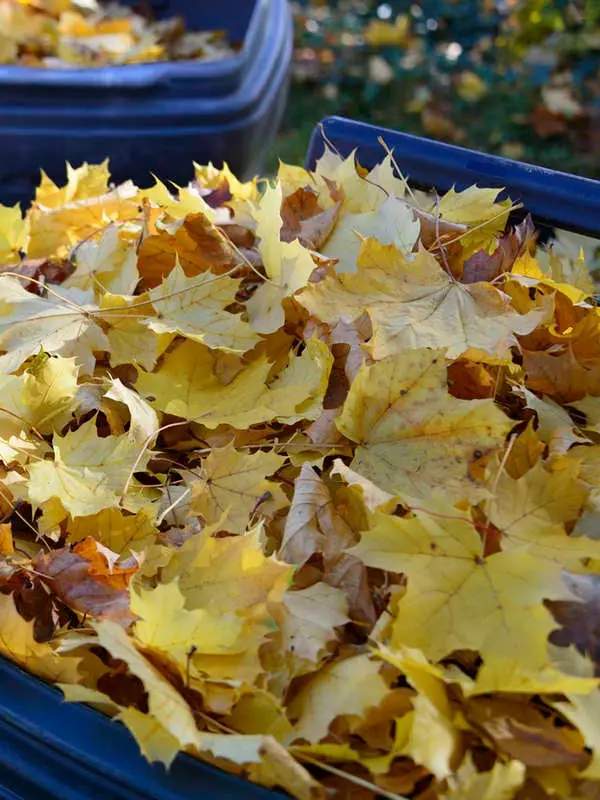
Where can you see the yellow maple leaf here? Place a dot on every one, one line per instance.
(186, 385)
(106, 263)
(234, 483)
(211, 177)
(432, 739)
(413, 302)
(53, 231)
(88, 180)
(470, 206)
(307, 625)
(165, 703)
(60, 324)
(373, 497)
(531, 513)
(226, 576)
(130, 340)
(195, 308)
(143, 420)
(170, 724)
(568, 268)
(555, 426)
(361, 193)
(457, 598)
(165, 624)
(179, 203)
(288, 266)
(478, 208)
(13, 234)
(88, 473)
(35, 403)
(313, 524)
(502, 782)
(350, 686)
(123, 534)
(412, 435)
(155, 741)
(393, 224)
(49, 389)
(230, 574)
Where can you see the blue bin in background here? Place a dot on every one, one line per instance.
(156, 117)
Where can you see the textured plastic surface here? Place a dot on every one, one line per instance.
(52, 750)
(553, 198)
(152, 117)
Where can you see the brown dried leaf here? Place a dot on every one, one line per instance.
(579, 618)
(84, 586)
(199, 245)
(304, 219)
(524, 732)
(484, 266)
(313, 524)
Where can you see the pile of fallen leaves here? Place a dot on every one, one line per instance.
(303, 479)
(89, 33)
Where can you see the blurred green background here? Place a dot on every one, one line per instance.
(516, 77)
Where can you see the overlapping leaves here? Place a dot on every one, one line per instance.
(314, 498)
(92, 33)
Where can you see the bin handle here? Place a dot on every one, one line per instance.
(554, 198)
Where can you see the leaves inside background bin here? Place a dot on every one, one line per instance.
(67, 34)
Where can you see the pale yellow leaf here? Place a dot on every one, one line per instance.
(88, 473)
(233, 482)
(288, 266)
(166, 625)
(457, 599)
(392, 224)
(195, 308)
(186, 385)
(350, 686)
(13, 229)
(414, 437)
(502, 782)
(60, 325)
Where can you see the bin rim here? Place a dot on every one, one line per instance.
(71, 750)
(554, 198)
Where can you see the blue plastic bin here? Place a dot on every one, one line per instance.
(155, 117)
(556, 199)
(51, 750)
